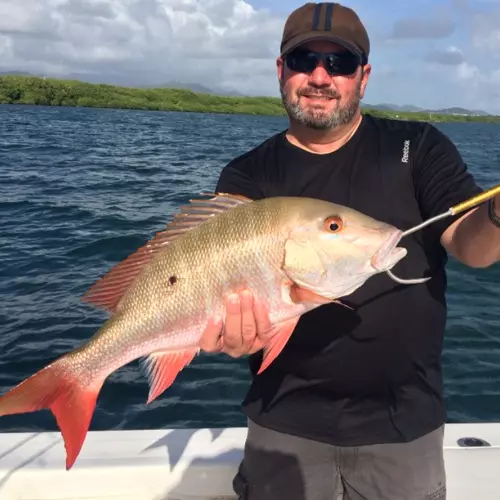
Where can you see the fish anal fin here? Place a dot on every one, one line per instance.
(279, 336)
(110, 289)
(162, 368)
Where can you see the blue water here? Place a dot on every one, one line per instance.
(80, 189)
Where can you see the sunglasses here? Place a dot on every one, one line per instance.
(336, 63)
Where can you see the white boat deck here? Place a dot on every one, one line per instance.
(191, 464)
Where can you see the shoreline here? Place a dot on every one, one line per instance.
(30, 90)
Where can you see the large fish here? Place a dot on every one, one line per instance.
(161, 296)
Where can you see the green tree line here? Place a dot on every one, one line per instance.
(55, 92)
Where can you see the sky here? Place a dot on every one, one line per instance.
(428, 53)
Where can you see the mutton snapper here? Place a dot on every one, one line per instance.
(161, 297)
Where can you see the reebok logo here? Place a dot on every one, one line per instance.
(406, 152)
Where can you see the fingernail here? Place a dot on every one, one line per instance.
(233, 298)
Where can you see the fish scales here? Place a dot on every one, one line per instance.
(162, 296)
(157, 315)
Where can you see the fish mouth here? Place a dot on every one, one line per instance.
(388, 254)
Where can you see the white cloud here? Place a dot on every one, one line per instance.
(450, 56)
(139, 40)
(477, 89)
(495, 77)
(489, 41)
(466, 71)
(486, 31)
(418, 28)
(449, 64)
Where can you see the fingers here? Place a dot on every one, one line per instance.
(262, 321)
(248, 321)
(211, 340)
(233, 337)
(245, 330)
(245, 319)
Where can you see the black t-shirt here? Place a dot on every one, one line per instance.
(373, 374)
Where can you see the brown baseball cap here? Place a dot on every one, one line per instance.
(326, 21)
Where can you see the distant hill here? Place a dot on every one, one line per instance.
(16, 73)
(408, 108)
(196, 87)
(462, 111)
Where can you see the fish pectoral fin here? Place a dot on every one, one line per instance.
(299, 294)
(342, 304)
(279, 336)
(302, 295)
(162, 368)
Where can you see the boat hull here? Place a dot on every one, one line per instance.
(193, 464)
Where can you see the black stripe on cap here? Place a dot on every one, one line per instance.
(328, 16)
(317, 13)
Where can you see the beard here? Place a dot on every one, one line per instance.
(316, 118)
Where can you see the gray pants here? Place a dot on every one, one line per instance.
(279, 466)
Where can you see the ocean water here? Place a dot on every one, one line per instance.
(80, 189)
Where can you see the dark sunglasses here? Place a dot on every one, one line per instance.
(336, 63)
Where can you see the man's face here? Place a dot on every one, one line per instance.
(317, 99)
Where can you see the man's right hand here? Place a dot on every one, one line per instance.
(245, 330)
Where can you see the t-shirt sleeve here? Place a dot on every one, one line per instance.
(236, 178)
(441, 178)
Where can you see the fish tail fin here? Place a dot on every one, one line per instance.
(69, 397)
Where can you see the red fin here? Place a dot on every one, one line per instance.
(55, 387)
(162, 369)
(342, 304)
(279, 337)
(299, 294)
(109, 290)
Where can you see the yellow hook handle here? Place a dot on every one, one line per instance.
(475, 200)
(460, 207)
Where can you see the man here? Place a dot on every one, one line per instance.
(353, 406)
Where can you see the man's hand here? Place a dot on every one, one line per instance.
(246, 327)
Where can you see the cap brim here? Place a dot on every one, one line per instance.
(308, 37)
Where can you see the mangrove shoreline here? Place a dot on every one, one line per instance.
(30, 90)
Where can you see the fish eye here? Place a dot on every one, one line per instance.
(333, 224)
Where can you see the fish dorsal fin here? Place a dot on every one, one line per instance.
(108, 291)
